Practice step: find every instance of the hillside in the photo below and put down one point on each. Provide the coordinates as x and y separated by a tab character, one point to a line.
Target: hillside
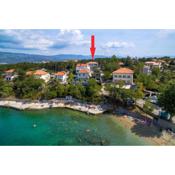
7	57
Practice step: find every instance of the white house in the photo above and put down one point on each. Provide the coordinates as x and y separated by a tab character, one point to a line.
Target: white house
62	76
147	70
92	65
83	74
10	74
82	66
153	64
40	74
120	63
123	74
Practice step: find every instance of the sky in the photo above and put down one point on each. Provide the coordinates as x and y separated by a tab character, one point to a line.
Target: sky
119	42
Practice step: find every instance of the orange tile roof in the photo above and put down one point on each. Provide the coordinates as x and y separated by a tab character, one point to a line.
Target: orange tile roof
10	71
40	72
84	71
81	64
123	71
92	62
60	73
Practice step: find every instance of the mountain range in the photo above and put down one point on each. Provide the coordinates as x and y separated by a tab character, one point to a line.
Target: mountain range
11	58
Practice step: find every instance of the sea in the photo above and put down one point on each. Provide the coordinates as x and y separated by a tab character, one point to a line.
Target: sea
63	127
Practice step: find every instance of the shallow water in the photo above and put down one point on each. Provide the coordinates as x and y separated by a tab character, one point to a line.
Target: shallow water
62	127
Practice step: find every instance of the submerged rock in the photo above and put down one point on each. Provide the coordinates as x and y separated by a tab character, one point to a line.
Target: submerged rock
91	138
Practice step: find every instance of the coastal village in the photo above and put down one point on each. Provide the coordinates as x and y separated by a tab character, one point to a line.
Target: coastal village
119	87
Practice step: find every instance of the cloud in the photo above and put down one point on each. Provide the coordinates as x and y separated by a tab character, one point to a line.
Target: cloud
117	45
59	45
71	34
6	39
24	39
165	33
41	39
68	38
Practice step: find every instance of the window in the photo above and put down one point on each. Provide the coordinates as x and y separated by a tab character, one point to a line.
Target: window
124	76
129	76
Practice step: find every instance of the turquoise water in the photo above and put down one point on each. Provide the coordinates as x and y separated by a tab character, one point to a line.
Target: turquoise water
62	127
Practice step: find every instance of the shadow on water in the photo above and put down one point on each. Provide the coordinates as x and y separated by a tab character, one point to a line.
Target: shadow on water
89	137
143	126
144	130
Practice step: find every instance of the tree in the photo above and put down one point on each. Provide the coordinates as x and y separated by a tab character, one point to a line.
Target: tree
74	91
156	72
147	80
93	90
49	94
6	88
138	68
117	94
70	78
128	62
77	91
61	90
138	91
54	89
167	98
29	88
107	75
148	107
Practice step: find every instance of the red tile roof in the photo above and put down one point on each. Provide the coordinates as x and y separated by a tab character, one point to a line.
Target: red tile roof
123	71
81	64
84	71
62	73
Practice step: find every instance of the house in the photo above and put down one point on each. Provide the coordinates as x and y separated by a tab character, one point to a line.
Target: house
147	70
92	65
153	64
120	63
62	76
40	74
81	66
83	71
10	74
83	74
123	74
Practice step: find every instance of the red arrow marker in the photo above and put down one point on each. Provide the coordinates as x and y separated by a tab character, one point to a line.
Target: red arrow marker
92	49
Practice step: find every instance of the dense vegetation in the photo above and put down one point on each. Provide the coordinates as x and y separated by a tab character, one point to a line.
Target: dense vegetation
167	98
161	81
32	88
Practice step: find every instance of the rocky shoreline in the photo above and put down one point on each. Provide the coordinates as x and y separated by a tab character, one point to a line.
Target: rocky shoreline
55	103
151	133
